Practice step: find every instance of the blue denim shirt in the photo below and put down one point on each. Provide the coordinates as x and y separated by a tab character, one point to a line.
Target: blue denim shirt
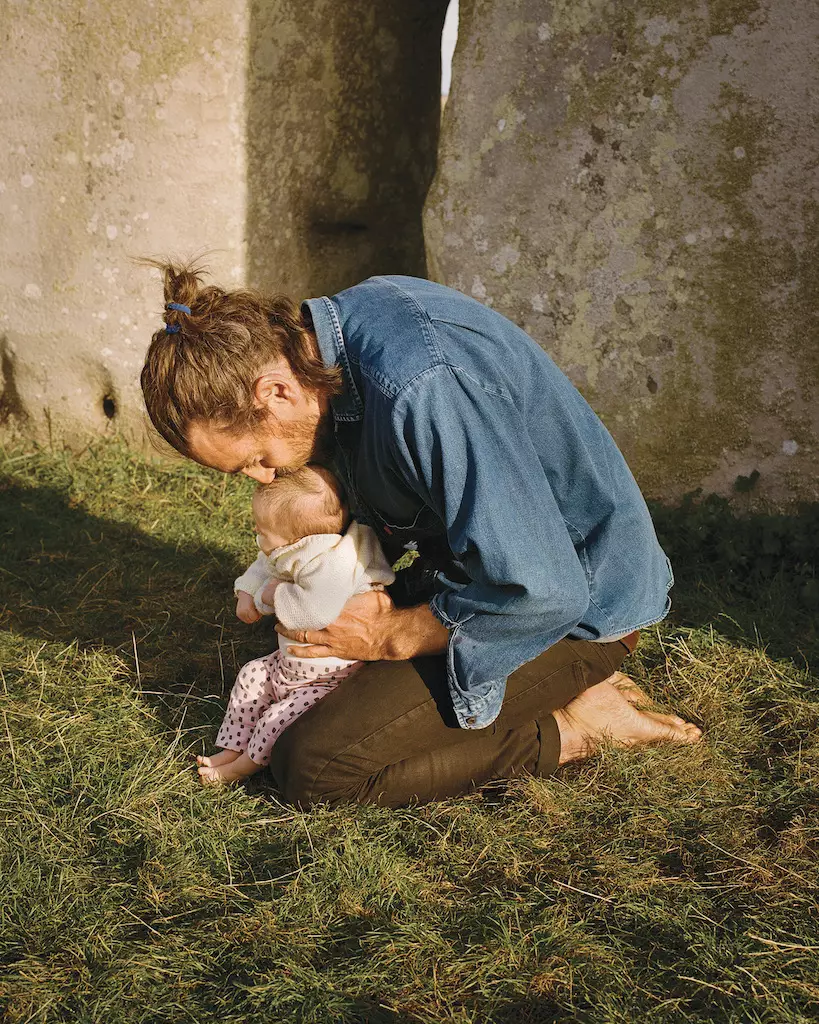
454	423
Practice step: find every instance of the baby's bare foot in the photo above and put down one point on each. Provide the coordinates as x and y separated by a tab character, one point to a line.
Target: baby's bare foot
214	760
242	767
603	714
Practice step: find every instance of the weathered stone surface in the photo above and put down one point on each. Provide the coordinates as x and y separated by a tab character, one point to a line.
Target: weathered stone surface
636	185
123	135
343	119
294	142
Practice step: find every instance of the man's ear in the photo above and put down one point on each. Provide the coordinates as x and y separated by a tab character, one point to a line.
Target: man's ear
271	388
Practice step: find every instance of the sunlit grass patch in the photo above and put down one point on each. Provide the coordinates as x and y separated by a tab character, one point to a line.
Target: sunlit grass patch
664	885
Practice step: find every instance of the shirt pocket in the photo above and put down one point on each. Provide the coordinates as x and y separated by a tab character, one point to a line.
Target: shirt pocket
424	523
423	534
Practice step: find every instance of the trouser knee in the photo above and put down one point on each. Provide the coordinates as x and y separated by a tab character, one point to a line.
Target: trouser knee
289	767
304	771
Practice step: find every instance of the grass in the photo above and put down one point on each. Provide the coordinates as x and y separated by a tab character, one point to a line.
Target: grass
663	886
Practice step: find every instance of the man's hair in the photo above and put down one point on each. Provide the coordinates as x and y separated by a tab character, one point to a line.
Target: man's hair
205	368
309	500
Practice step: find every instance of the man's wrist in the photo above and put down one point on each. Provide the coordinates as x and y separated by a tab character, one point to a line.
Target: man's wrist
416	632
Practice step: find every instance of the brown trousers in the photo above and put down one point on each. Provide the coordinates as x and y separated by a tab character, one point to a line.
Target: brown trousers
388	736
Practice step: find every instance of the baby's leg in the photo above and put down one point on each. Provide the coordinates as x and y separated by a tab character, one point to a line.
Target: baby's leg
251	695
259	713
281	714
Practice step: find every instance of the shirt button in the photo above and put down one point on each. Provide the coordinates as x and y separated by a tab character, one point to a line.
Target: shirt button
471	720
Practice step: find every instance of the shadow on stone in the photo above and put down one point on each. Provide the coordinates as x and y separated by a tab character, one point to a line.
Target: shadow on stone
343	115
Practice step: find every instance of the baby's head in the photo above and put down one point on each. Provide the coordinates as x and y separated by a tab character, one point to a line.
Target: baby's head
294	506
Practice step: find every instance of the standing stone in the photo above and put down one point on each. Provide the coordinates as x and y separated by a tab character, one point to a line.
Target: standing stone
635	184
343	119
123	132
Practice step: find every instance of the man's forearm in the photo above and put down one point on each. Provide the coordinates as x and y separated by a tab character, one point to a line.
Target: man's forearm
416	632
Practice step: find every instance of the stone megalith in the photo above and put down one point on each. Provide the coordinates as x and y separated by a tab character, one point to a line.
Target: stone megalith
636	185
123	135
342	138
294	143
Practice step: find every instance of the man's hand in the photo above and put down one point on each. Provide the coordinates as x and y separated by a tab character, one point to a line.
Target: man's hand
371	628
246	610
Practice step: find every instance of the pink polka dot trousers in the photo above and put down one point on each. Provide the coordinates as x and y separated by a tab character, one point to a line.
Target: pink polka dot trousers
270	693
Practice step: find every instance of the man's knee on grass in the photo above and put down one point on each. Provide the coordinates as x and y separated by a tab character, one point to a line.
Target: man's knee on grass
305	769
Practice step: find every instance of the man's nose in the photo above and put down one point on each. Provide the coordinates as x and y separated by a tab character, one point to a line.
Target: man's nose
261	474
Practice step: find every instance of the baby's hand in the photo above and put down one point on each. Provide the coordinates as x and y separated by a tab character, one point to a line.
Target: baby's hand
246	610
269	591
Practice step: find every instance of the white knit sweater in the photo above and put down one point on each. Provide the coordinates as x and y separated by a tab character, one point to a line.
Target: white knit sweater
316	575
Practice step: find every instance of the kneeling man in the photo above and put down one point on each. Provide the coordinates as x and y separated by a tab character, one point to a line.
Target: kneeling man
497	652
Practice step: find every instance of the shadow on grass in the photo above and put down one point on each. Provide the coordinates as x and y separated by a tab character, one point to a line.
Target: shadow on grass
67	575
753	577
364	1012
532	1011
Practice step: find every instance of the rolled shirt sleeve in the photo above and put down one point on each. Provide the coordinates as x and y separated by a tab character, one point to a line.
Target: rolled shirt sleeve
463	445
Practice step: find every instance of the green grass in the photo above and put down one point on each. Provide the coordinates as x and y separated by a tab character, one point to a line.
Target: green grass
663	886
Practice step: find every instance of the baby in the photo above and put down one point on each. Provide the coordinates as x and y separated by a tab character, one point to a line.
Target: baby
307	568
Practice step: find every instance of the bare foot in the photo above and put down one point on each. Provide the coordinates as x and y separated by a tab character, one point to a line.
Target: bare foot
636	695
241	767
214	760
629	689
603	714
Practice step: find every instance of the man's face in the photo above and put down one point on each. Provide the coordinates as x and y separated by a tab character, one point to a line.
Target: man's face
268	450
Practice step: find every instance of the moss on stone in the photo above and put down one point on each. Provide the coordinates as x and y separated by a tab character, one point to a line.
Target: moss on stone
653	268
724	15
740	271
805	299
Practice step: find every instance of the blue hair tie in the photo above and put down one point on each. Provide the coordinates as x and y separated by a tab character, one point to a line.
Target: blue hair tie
176	328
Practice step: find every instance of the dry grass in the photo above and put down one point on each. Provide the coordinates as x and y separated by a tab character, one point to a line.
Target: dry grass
666	886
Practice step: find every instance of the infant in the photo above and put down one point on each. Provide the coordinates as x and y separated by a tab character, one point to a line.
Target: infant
307	568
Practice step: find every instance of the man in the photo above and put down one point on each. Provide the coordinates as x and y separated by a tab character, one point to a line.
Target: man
454	434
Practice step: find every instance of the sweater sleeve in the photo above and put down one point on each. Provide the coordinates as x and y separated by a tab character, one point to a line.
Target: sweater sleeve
320	588
254	578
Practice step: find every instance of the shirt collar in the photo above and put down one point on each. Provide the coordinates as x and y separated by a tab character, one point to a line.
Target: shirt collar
347	406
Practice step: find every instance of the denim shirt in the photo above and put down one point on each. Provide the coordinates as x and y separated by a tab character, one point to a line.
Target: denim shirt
454	427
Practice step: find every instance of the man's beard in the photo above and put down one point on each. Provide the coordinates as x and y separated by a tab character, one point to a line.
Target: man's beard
312	440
